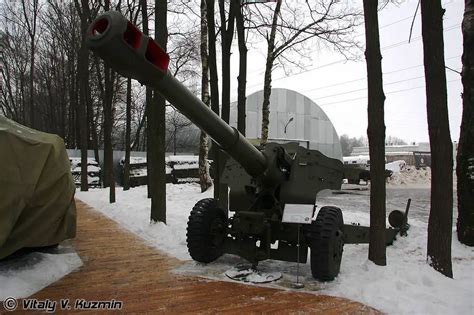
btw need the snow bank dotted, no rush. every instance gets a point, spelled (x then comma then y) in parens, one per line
(396, 166)
(411, 176)
(406, 285)
(181, 159)
(26, 275)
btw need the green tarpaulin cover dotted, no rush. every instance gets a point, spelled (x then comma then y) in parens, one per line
(37, 205)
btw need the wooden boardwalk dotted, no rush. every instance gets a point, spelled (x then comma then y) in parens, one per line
(118, 265)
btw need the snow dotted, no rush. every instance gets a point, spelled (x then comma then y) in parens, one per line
(25, 275)
(134, 160)
(185, 166)
(406, 285)
(246, 274)
(90, 168)
(411, 176)
(396, 166)
(139, 172)
(75, 161)
(178, 159)
(176, 162)
(183, 159)
(187, 180)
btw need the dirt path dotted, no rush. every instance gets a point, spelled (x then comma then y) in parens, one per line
(118, 265)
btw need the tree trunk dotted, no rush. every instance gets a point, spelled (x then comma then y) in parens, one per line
(204, 176)
(83, 81)
(465, 158)
(148, 113)
(136, 140)
(109, 180)
(267, 84)
(441, 214)
(31, 29)
(94, 143)
(126, 165)
(227, 34)
(214, 83)
(31, 84)
(376, 134)
(148, 138)
(175, 134)
(157, 132)
(242, 78)
(214, 80)
(71, 138)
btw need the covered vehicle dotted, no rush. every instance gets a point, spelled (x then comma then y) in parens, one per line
(37, 205)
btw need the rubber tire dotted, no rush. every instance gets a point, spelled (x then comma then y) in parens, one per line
(396, 218)
(203, 240)
(326, 242)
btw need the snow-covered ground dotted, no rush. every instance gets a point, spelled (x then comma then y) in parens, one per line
(406, 285)
(25, 275)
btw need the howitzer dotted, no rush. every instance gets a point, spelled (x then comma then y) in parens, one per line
(261, 181)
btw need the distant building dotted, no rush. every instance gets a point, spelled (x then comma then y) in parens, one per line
(401, 152)
(398, 152)
(293, 116)
(418, 154)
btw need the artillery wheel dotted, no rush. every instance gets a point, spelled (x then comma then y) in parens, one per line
(326, 241)
(206, 231)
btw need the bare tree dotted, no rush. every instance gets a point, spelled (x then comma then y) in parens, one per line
(242, 78)
(465, 158)
(128, 130)
(214, 85)
(83, 78)
(294, 29)
(204, 176)
(22, 17)
(175, 122)
(441, 213)
(140, 114)
(376, 134)
(347, 144)
(267, 85)
(156, 114)
(14, 66)
(108, 101)
(30, 10)
(133, 11)
(149, 105)
(393, 140)
(227, 34)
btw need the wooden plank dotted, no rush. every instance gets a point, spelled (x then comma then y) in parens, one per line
(118, 265)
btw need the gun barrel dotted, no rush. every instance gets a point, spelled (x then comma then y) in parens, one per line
(133, 54)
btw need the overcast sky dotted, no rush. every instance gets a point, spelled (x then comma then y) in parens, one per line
(340, 87)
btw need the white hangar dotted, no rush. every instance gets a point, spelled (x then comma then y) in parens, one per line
(293, 116)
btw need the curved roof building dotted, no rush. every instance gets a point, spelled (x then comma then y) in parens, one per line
(293, 116)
